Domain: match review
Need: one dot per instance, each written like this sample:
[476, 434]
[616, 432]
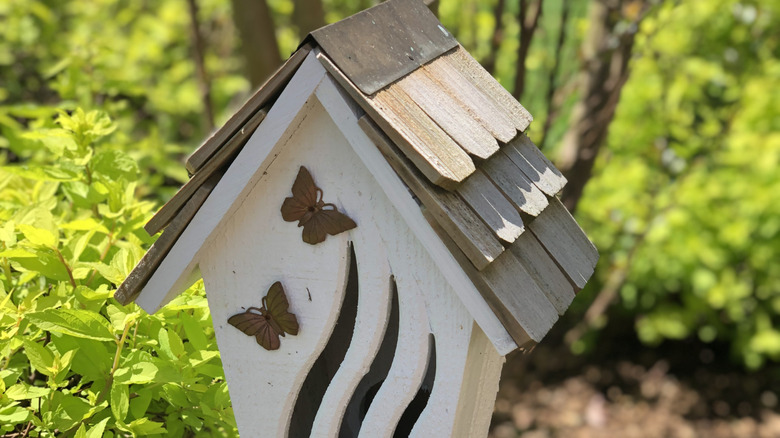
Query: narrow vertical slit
[372, 381]
[313, 389]
[420, 401]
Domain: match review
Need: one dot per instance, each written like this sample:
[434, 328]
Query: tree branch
[528, 23]
[498, 35]
[607, 54]
[198, 50]
[258, 39]
[553, 109]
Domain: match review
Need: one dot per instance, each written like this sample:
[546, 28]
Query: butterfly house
[375, 232]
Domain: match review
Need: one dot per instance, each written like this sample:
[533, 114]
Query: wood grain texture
[517, 291]
[544, 271]
[535, 165]
[223, 157]
[135, 281]
[514, 184]
[470, 68]
[508, 320]
[270, 89]
[426, 145]
[448, 114]
[560, 235]
[472, 98]
[492, 206]
[456, 218]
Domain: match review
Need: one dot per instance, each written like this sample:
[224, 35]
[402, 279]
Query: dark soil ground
[624, 389]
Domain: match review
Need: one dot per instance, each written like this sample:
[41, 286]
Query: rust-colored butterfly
[267, 323]
[317, 218]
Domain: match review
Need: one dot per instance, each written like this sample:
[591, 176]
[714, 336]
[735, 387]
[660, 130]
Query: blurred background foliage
[662, 113]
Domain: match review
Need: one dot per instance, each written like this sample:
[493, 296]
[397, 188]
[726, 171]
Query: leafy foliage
[82, 116]
[683, 201]
[100, 101]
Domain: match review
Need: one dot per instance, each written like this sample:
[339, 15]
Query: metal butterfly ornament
[317, 218]
[268, 322]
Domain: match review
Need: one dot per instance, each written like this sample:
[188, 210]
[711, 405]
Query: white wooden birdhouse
[375, 232]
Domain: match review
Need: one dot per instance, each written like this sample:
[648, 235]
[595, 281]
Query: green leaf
[43, 261]
[120, 400]
[13, 414]
[24, 391]
[7, 234]
[86, 224]
[139, 405]
[114, 165]
[39, 236]
[40, 357]
[96, 431]
[137, 373]
[69, 411]
[73, 322]
[42, 173]
[145, 426]
[170, 344]
[81, 432]
[110, 273]
[194, 332]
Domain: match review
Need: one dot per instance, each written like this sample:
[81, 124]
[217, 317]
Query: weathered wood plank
[135, 281]
[515, 185]
[426, 145]
[523, 298]
[472, 99]
[566, 242]
[492, 206]
[456, 218]
[507, 319]
[225, 155]
[535, 165]
[448, 114]
[470, 68]
[544, 271]
[270, 89]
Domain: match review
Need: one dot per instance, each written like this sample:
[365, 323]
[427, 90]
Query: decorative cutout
[272, 320]
[307, 207]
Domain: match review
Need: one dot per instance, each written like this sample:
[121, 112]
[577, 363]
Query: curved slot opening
[420, 401]
[372, 381]
[313, 389]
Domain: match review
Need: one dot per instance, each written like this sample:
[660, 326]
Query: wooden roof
[455, 137]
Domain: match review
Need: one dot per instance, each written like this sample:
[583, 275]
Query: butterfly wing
[277, 304]
[247, 321]
[326, 222]
[268, 337]
[255, 324]
[304, 197]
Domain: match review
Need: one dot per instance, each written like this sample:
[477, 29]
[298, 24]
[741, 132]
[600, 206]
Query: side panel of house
[384, 343]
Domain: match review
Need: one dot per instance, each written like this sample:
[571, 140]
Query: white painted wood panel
[374, 283]
[256, 247]
[480, 385]
[179, 269]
